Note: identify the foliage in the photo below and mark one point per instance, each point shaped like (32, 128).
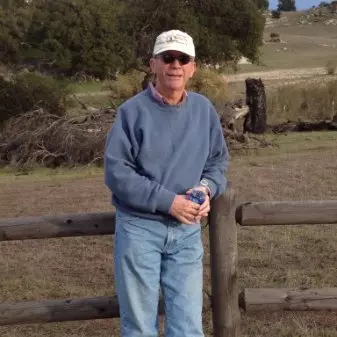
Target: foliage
(106, 37)
(286, 5)
(276, 14)
(14, 23)
(262, 4)
(76, 36)
(274, 35)
(125, 85)
(210, 23)
(211, 84)
(324, 4)
(27, 91)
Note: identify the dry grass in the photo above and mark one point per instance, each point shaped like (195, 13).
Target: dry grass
(303, 167)
(311, 101)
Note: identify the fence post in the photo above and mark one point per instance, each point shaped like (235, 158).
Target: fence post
(224, 257)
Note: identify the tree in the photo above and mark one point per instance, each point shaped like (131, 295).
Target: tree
(210, 22)
(76, 36)
(14, 24)
(262, 4)
(104, 37)
(286, 5)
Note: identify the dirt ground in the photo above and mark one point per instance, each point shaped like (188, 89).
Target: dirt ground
(302, 167)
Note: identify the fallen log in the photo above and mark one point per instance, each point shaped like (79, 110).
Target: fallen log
(326, 125)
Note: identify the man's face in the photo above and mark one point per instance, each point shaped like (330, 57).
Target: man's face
(173, 69)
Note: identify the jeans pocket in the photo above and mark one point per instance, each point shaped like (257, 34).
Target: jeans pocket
(131, 226)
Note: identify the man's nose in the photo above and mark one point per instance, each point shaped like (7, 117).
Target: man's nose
(176, 64)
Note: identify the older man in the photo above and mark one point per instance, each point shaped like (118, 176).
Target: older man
(164, 143)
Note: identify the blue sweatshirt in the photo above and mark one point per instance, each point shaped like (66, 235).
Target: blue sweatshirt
(155, 151)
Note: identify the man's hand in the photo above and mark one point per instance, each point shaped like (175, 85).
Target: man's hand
(205, 207)
(184, 210)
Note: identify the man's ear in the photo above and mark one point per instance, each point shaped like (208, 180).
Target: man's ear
(194, 65)
(152, 65)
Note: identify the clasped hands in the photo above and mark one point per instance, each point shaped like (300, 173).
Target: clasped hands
(189, 212)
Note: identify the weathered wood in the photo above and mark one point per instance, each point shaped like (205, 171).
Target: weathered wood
(287, 213)
(305, 126)
(324, 299)
(58, 310)
(44, 227)
(256, 120)
(64, 310)
(224, 259)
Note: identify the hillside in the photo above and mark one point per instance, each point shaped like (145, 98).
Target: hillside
(307, 39)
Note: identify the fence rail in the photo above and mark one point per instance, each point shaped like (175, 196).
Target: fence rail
(247, 214)
(226, 299)
(287, 213)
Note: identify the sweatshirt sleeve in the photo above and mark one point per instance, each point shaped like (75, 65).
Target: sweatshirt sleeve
(217, 161)
(120, 171)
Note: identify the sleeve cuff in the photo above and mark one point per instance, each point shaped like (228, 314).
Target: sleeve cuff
(212, 187)
(165, 200)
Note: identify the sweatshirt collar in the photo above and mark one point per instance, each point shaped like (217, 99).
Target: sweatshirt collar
(156, 95)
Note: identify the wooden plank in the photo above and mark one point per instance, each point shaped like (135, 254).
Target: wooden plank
(324, 299)
(43, 227)
(287, 213)
(65, 310)
(224, 260)
(58, 310)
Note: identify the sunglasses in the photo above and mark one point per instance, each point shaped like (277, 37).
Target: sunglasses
(183, 59)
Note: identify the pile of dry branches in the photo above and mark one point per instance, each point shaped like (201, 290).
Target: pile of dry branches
(41, 138)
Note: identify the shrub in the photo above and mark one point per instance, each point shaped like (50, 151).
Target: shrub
(275, 14)
(274, 35)
(27, 91)
(126, 85)
(211, 84)
(331, 67)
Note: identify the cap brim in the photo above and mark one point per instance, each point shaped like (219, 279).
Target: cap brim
(175, 47)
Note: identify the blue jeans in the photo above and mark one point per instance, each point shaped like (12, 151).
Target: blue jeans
(151, 255)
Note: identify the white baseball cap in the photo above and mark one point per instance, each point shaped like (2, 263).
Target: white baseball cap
(174, 40)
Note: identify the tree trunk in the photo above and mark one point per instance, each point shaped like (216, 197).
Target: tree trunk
(256, 119)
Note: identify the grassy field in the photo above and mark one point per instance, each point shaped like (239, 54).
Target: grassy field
(298, 167)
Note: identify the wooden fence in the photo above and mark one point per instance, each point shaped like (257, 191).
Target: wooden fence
(225, 214)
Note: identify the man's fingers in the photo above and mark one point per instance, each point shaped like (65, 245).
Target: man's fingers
(190, 217)
(193, 205)
(205, 207)
(185, 220)
(202, 215)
